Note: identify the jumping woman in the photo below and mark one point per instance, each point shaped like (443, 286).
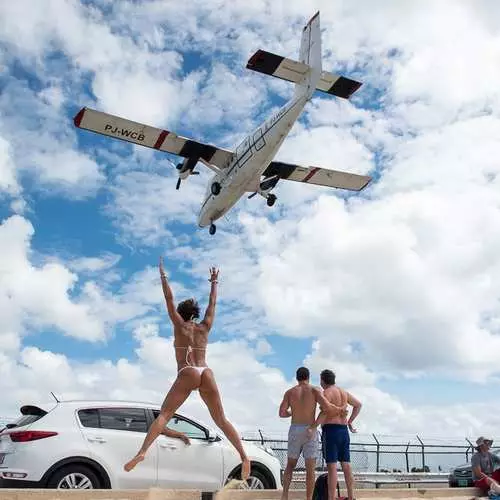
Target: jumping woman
(190, 342)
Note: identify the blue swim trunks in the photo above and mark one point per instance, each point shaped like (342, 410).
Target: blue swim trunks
(335, 443)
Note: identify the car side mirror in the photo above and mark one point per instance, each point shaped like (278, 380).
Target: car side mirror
(211, 436)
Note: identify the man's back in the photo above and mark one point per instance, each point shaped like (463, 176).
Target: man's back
(338, 397)
(302, 402)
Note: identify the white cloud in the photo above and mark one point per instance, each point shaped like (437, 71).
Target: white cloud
(8, 177)
(48, 295)
(240, 378)
(95, 264)
(38, 295)
(41, 143)
(145, 206)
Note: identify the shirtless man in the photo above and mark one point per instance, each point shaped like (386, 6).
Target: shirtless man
(190, 343)
(335, 435)
(300, 402)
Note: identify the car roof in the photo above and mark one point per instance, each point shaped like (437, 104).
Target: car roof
(107, 402)
(78, 403)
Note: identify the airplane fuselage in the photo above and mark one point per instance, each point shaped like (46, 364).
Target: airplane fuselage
(250, 160)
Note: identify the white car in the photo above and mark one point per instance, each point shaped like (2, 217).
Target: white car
(84, 444)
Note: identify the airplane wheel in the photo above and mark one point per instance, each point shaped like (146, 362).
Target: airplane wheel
(215, 188)
(212, 229)
(271, 200)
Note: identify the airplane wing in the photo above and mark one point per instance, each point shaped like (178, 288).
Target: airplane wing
(315, 175)
(151, 137)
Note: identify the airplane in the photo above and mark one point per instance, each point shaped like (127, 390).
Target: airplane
(250, 168)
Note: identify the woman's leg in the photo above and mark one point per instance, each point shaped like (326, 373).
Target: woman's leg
(186, 381)
(210, 395)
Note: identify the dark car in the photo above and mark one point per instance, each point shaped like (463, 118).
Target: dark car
(461, 476)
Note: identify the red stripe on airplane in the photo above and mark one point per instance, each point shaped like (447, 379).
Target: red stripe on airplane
(310, 174)
(79, 117)
(160, 139)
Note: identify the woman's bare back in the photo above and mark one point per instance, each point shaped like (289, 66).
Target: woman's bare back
(190, 342)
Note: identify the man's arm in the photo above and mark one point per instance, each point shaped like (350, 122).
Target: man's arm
(210, 312)
(320, 420)
(327, 407)
(175, 317)
(356, 408)
(284, 411)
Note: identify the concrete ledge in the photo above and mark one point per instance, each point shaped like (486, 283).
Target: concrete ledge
(159, 494)
(46, 494)
(380, 494)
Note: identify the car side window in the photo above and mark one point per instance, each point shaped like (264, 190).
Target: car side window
(123, 419)
(180, 425)
(89, 417)
(120, 419)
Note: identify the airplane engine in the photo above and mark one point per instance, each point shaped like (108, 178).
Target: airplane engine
(265, 188)
(186, 168)
(268, 184)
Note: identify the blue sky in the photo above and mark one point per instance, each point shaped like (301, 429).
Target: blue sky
(388, 287)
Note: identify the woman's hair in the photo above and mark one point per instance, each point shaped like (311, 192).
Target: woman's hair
(189, 309)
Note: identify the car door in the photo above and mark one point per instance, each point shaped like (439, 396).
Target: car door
(114, 436)
(198, 465)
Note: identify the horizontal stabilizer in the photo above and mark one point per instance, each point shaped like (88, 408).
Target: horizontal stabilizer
(151, 137)
(295, 71)
(339, 86)
(278, 66)
(315, 175)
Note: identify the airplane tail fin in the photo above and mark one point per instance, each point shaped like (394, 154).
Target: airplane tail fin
(310, 54)
(307, 72)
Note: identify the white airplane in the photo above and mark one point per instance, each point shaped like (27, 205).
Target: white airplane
(250, 167)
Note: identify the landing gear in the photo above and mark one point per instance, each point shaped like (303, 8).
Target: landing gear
(271, 200)
(212, 229)
(215, 188)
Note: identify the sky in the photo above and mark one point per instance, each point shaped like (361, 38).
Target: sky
(396, 288)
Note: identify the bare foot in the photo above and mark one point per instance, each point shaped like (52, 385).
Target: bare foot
(132, 463)
(245, 469)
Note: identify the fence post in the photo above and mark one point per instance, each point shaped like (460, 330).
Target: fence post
(407, 458)
(261, 438)
(467, 449)
(423, 453)
(378, 451)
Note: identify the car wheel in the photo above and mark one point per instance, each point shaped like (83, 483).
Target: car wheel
(256, 480)
(74, 477)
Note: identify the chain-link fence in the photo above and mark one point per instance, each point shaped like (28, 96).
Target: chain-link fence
(359, 454)
(372, 453)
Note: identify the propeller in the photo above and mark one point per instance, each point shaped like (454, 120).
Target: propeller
(185, 170)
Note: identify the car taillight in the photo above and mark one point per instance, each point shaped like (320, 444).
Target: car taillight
(24, 436)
